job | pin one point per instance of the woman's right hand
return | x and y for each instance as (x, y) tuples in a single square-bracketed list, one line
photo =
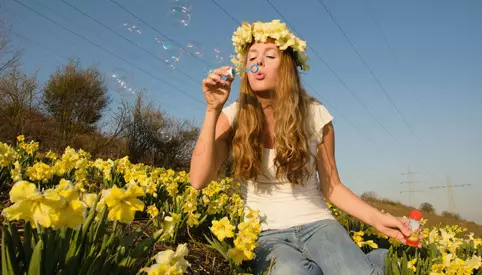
[(216, 90)]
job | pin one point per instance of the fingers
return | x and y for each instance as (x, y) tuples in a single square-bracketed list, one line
[(403, 226), (398, 223), (215, 77), (395, 234), (221, 71)]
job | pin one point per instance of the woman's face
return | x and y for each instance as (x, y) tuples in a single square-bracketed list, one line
[(267, 56)]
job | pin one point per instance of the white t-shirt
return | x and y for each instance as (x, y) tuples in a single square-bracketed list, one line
[(281, 203)]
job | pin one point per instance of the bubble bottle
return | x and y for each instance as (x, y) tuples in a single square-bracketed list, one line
[(252, 69), (414, 225)]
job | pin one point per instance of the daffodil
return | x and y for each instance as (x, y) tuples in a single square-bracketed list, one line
[(169, 262), (237, 255), (7, 154), (222, 229), (40, 172), (71, 208), (411, 264), (123, 204), (152, 210), (32, 206)]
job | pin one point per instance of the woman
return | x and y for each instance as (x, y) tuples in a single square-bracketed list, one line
[(279, 138)]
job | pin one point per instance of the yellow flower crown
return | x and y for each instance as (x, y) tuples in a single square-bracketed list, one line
[(260, 31)]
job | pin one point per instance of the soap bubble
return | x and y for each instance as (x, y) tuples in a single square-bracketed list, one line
[(132, 28), (169, 52), (180, 15), (217, 56), (195, 48), (123, 82)]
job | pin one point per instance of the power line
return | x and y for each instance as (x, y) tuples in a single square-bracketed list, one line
[(450, 192), (338, 77), (344, 117), (342, 82), (331, 70), (372, 74), (107, 51), (226, 12), (332, 107), (367, 66), (392, 52), (127, 39), (158, 32), (40, 46)]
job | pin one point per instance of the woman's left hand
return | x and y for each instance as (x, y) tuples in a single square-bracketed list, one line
[(393, 227)]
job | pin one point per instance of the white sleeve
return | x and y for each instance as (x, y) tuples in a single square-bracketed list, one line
[(230, 111), (321, 117)]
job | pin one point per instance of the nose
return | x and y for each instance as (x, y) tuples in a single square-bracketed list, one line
[(260, 61)]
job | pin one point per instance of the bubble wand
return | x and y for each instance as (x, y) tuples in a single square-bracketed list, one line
[(253, 69)]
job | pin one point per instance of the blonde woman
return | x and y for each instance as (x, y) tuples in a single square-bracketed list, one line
[(281, 142)]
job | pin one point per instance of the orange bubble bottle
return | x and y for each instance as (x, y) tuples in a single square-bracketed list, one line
[(414, 225)]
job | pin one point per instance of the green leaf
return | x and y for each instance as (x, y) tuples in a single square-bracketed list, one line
[(35, 267), (101, 226), (146, 244), (9, 262), (52, 246), (28, 243), (129, 239), (219, 246), (16, 240), (395, 270)]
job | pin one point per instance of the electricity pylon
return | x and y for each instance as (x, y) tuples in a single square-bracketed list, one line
[(410, 190), (450, 192)]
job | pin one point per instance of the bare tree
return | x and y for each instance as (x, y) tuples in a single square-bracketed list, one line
[(18, 101), (9, 55), (157, 139)]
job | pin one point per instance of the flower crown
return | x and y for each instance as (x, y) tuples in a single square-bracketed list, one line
[(260, 31)]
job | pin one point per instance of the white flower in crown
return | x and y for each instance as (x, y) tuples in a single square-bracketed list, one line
[(261, 31)]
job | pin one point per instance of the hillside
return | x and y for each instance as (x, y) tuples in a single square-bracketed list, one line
[(400, 210)]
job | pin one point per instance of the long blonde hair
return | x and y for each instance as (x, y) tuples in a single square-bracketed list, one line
[(291, 135)]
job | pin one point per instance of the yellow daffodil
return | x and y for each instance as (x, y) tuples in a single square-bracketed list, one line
[(411, 264), (30, 147), (40, 172), (123, 204), (32, 206), (193, 219), (89, 199), (169, 262), (152, 210), (7, 154), (222, 229), (237, 255), (71, 209), (16, 172)]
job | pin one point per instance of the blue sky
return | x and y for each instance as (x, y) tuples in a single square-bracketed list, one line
[(408, 100)]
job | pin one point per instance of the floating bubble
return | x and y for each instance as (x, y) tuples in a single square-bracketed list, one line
[(180, 15), (132, 28), (195, 48), (169, 52), (123, 82), (216, 57)]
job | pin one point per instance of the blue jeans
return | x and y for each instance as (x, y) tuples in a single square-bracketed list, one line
[(318, 248)]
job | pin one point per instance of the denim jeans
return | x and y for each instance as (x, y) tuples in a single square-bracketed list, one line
[(321, 247)]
